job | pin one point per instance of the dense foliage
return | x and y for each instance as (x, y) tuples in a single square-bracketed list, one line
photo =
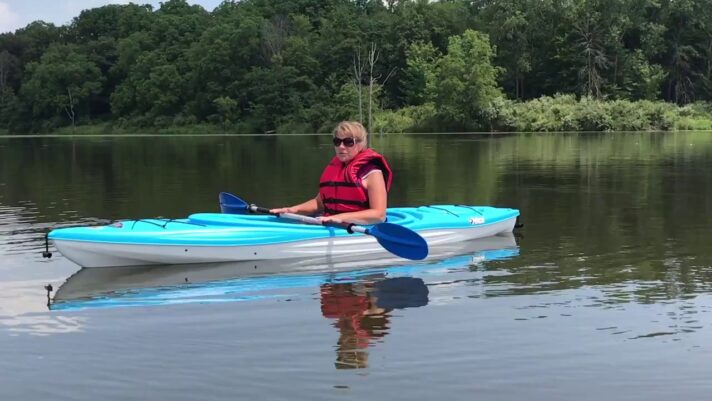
[(302, 65)]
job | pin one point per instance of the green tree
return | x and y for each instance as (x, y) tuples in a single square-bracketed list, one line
[(644, 81), (8, 101), (466, 81), (111, 21), (419, 75), (157, 87), (62, 83), (592, 47), (509, 23), (8, 66), (681, 53), (101, 33), (227, 109), (35, 39)]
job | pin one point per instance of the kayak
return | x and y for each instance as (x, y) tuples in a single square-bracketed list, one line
[(153, 285), (222, 237)]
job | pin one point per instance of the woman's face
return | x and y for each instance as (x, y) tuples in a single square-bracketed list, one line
[(347, 146)]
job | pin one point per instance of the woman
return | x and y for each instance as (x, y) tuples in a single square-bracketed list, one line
[(354, 186)]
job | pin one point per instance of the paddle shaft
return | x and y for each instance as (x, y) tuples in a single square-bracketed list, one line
[(310, 220), (396, 239)]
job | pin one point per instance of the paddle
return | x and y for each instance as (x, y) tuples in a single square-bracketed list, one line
[(396, 239)]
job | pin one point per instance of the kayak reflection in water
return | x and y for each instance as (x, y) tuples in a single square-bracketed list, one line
[(354, 185), (361, 311)]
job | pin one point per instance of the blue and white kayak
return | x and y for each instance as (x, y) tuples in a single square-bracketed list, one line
[(218, 237)]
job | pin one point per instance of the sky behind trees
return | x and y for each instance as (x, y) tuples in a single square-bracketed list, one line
[(15, 14)]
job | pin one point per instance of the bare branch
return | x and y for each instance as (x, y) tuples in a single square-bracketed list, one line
[(358, 77), (274, 37), (69, 109)]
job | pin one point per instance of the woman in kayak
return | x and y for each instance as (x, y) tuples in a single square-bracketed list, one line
[(354, 186)]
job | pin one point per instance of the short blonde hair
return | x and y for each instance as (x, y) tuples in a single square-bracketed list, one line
[(353, 129)]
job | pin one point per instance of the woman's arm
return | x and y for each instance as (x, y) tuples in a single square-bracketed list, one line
[(377, 198), (310, 207)]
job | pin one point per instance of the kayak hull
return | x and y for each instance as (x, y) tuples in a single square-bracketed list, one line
[(211, 238), (130, 285)]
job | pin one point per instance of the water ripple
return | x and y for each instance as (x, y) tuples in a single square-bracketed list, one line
[(24, 310), (22, 234)]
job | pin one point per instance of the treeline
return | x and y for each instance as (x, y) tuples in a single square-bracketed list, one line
[(302, 65)]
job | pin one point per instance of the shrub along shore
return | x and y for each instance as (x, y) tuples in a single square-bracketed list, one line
[(564, 113), (561, 113)]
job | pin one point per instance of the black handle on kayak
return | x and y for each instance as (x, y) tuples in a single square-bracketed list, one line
[(263, 210), (400, 241)]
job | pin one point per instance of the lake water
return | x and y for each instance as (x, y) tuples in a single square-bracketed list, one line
[(605, 293)]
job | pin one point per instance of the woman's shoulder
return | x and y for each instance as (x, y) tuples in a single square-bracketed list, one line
[(368, 169)]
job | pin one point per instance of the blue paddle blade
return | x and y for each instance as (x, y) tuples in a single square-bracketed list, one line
[(400, 241), (231, 204)]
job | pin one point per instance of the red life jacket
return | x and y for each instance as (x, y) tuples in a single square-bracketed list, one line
[(340, 188)]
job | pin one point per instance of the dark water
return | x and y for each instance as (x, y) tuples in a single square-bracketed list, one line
[(604, 294)]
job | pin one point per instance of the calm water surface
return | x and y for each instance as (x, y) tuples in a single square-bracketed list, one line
[(604, 294)]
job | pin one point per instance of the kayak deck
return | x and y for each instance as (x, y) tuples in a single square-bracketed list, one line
[(216, 229)]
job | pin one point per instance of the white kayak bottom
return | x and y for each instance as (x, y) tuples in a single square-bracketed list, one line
[(106, 254), (89, 282)]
